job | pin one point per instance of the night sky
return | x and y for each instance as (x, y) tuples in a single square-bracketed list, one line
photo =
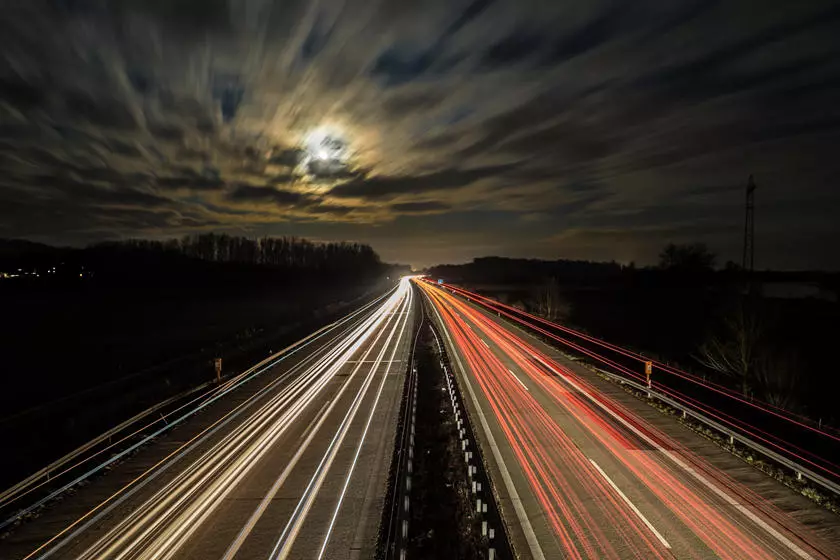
[(436, 130)]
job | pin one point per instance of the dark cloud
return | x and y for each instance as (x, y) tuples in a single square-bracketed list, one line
[(420, 207), (251, 193), (513, 48), (589, 36), (184, 16), (316, 39), (192, 183), (187, 178), (582, 126), (330, 209), (397, 66), (288, 157), (383, 187), (403, 104), (167, 132), (229, 93), (97, 110)]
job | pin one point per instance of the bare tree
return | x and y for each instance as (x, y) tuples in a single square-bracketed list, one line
[(735, 351), (777, 376), (550, 301)]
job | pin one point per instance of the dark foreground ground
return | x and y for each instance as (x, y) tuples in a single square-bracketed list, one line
[(442, 520)]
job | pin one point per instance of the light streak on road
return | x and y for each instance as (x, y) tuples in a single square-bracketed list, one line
[(165, 522), (287, 538), (785, 417), (390, 362), (608, 484)]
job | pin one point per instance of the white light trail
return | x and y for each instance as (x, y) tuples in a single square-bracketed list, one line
[(161, 526), (290, 531)]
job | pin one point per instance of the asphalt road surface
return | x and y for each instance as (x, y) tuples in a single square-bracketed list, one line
[(581, 475), (293, 465)]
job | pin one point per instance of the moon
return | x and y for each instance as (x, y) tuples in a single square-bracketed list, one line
[(326, 144)]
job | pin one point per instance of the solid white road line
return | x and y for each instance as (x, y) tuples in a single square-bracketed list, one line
[(520, 381), (631, 505)]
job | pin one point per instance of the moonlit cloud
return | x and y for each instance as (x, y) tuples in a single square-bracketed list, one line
[(551, 129)]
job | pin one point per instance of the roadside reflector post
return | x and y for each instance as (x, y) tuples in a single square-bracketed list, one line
[(218, 365), (648, 371)]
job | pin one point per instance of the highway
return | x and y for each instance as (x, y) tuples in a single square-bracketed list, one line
[(581, 475), (291, 465)]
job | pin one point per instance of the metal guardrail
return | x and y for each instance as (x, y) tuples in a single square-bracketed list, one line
[(396, 534), (801, 472), (44, 473)]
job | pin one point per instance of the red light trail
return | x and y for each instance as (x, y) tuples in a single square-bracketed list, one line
[(608, 484), (779, 444), (716, 387)]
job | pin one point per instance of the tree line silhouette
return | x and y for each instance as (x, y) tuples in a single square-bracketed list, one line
[(282, 252)]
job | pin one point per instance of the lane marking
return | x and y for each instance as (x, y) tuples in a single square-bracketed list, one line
[(630, 504), (520, 381), (519, 509), (483, 342), (372, 361), (680, 463)]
